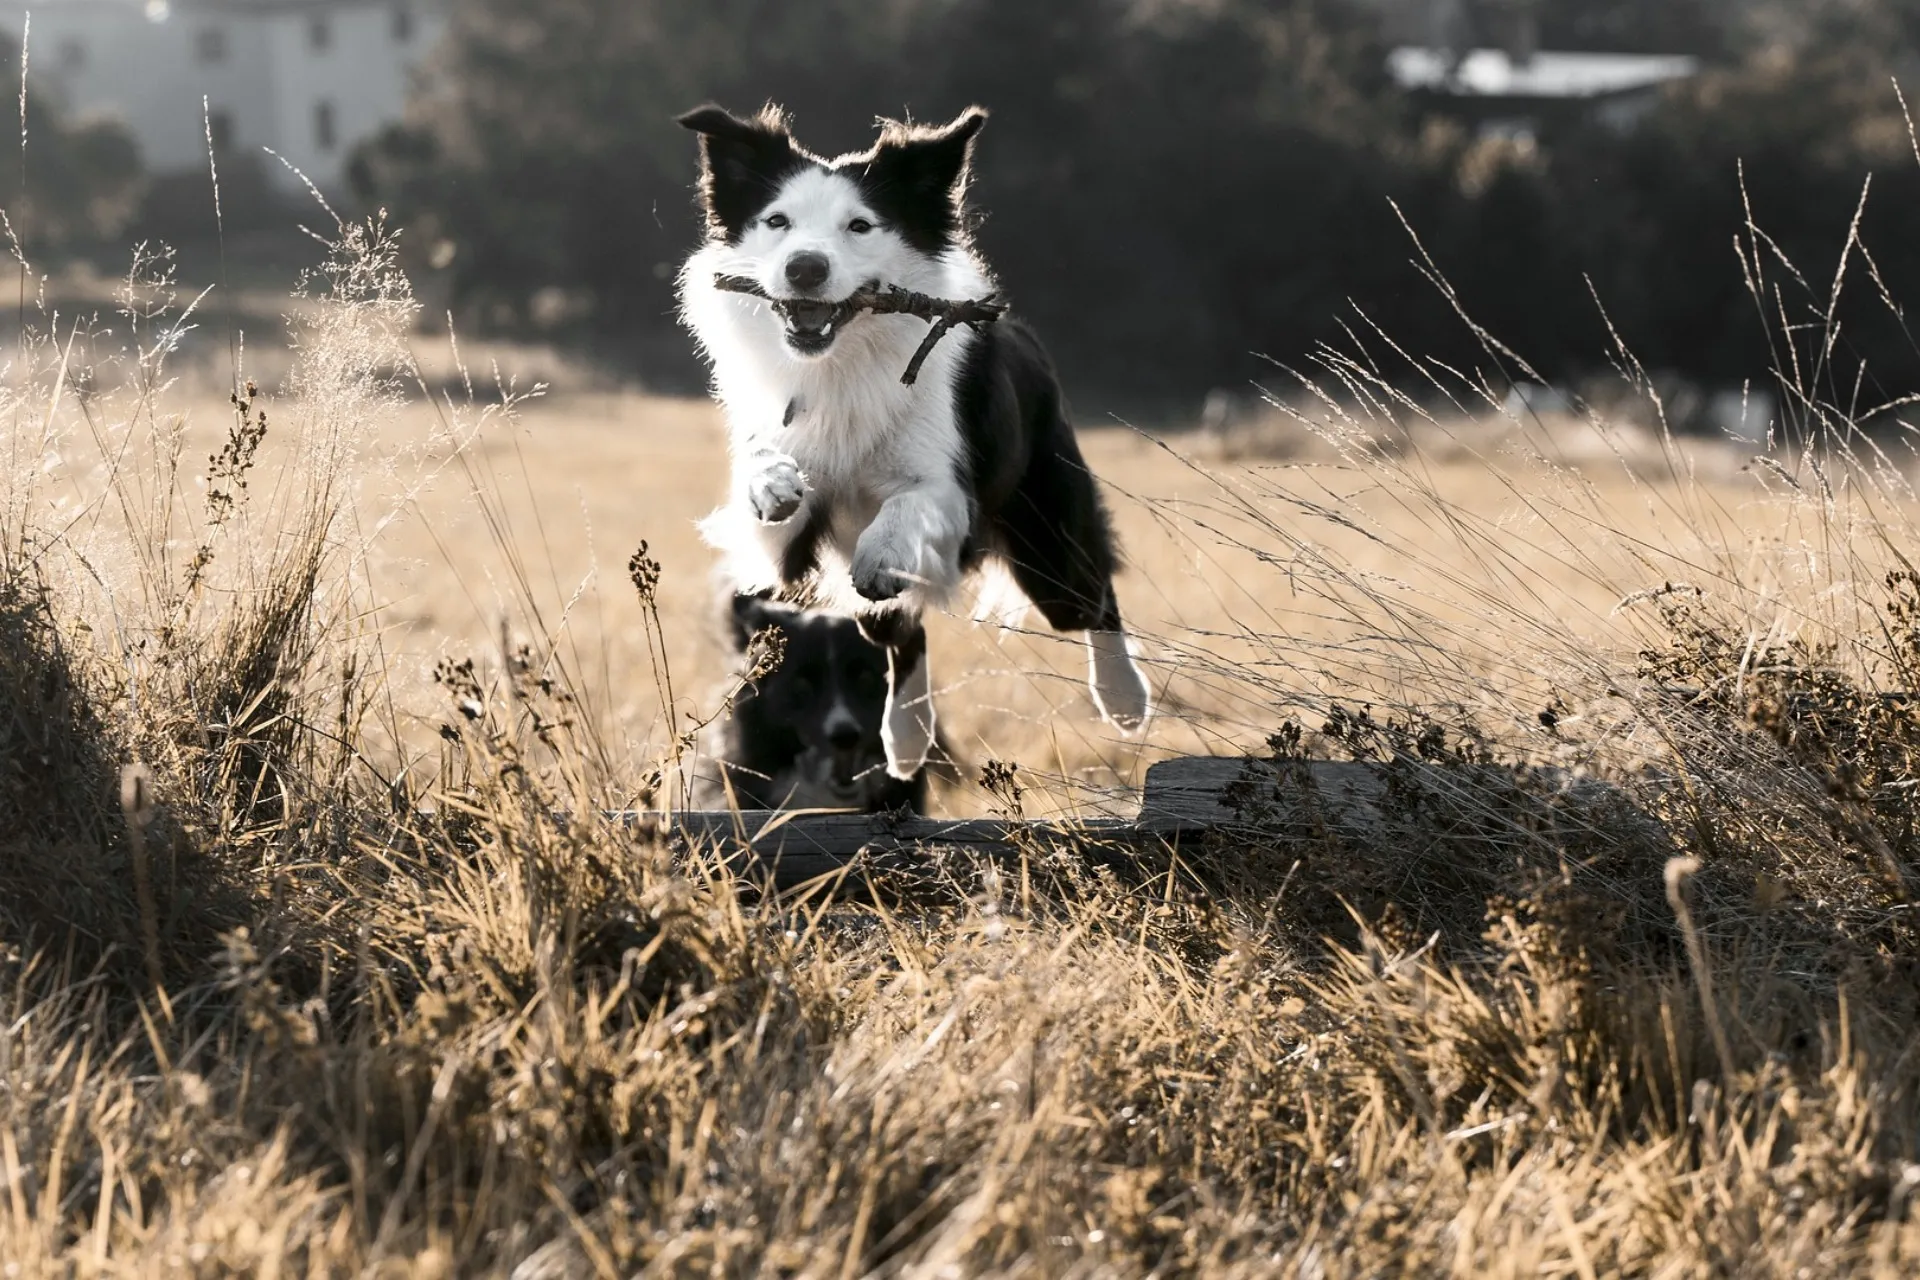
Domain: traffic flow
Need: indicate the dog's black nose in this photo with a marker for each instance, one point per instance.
(845, 736)
(807, 270)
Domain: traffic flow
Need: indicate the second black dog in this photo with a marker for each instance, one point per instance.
(807, 734)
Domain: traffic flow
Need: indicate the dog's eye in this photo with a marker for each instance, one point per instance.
(779, 221)
(859, 226)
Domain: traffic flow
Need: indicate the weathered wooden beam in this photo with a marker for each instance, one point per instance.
(1368, 804)
(801, 847)
(1183, 798)
(1210, 793)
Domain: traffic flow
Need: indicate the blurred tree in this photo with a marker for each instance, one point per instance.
(1174, 185)
(542, 154)
(1147, 162)
(1634, 26)
(82, 179)
(1803, 106)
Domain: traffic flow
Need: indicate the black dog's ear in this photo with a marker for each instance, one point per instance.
(741, 163)
(918, 176)
(750, 615)
(744, 618)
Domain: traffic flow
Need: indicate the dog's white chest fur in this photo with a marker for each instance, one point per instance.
(857, 435)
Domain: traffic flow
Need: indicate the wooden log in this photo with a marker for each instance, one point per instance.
(1369, 804)
(797, 848)
(1183, 799)
(1202, 793)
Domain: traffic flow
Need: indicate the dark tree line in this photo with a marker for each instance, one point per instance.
(1177, 188)
(77, 184)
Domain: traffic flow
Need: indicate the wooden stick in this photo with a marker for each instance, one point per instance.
(891, 300)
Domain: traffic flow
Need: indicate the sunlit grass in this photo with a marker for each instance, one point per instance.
(316, 959)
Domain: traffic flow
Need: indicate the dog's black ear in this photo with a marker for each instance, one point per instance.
(741, 163)
(929, 161)
(749, 615)
(917, 176)
(746, 616)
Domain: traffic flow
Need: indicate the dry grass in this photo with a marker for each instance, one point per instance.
(302, 974)
(580, 478)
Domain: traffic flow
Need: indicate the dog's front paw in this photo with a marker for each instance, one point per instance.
(776, 491)
(881, 570)
(879, 585)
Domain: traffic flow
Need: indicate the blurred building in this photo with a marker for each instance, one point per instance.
(1512, 93)
(307, 78)
(1481, 61)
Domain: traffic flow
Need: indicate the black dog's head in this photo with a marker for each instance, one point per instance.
(807, 734)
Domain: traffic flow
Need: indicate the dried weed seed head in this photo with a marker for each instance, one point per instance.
(644, 571)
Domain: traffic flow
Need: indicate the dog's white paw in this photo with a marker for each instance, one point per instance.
(907, 730)
(776, 491)
(1119, 690)
(884, 564)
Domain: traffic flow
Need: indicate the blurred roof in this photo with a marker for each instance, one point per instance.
(1494, 73)
(161, 10)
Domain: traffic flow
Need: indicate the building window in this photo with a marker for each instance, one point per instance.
(402, 24)
(73, 54)
(320, 35)
(210, 44)
(323, 125)
(220, 130)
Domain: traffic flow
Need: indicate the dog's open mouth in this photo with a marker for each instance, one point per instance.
(834, 778)
(811, 324)
(849, 769)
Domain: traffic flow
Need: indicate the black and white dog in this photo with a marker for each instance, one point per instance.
(806, 735)
(873, 497)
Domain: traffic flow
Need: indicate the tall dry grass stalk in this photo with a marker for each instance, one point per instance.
(380, 1015)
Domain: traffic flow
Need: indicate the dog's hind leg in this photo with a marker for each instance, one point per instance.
(1119, 690)
(1057, 542)
(907, 731)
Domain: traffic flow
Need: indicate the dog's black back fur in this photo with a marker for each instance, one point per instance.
(1037, 506)
(807, 735)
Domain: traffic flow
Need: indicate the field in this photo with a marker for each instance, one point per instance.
(531, 532)
(303, 975)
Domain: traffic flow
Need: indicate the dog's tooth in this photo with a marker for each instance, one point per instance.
(826, 328)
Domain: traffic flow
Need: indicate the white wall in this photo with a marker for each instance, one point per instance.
(361, 74)
(144, 63)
